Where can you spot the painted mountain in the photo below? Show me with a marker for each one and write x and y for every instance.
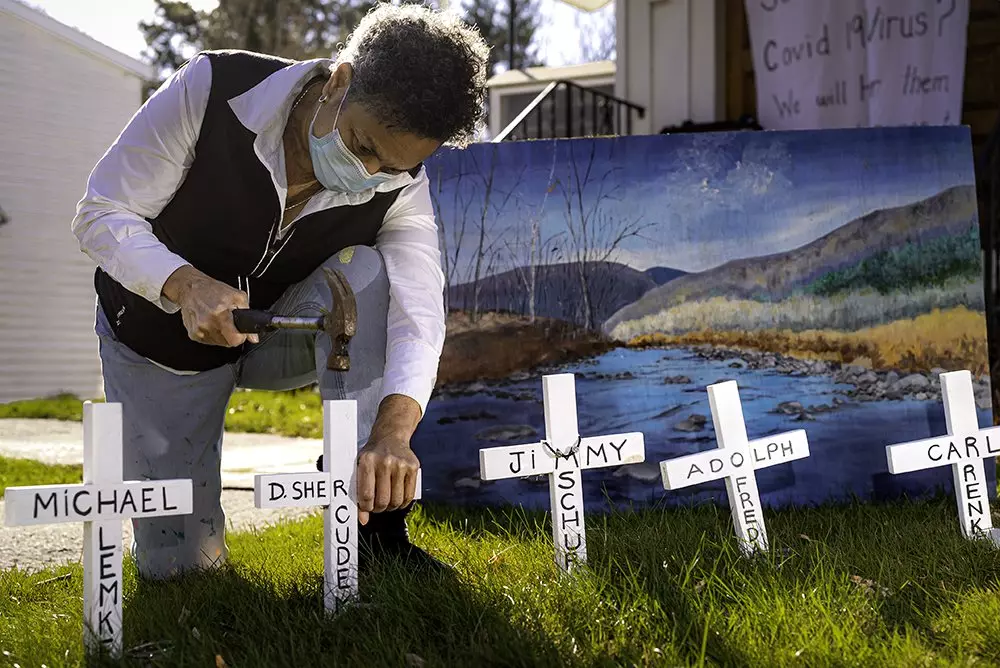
(891, 263)
(558, 292)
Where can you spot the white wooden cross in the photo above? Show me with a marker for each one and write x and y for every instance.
(736, 460)
(561, 456)
(964, 448)
(336, 489)
(101, 503)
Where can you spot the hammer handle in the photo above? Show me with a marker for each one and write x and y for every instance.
(249, 321)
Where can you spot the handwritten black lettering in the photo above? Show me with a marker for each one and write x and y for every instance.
(111, 590)
(343, 578)
(146, 500)
(276, 491)
(566, 477)
(343, 555)
(45, 504)
(863, 29)
(971, 449)
(562, 501)
(101, 501)
(127, 500)
(106, 566)
(618, 448)
(599, 451)
(967, 471)
(515, 466)
(347, 513)
(339, 487)
(104, 627)
(835, 97)
(776, 56)
(76, 503)
(789, 106)
(694, 469)
(914, 83)
(166, 506)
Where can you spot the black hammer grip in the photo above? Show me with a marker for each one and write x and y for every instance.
(248, 321)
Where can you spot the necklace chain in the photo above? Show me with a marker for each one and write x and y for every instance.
(298, 99)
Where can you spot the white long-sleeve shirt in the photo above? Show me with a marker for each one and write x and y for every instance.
(140, 173)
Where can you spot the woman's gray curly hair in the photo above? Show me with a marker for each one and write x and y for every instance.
(420, 71)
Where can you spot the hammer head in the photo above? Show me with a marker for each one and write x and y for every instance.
(341, 323)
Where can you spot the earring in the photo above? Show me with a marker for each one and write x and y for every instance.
(323, 98)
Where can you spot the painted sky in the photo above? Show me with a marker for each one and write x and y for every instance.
(701, 199)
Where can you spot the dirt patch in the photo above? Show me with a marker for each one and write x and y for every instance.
(499, 344)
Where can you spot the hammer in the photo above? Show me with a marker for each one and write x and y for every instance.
(340, 324)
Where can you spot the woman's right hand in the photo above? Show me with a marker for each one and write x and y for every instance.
(207, 307)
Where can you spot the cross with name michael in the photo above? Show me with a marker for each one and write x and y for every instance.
(335, 488)
(561, 456)
(736, 459)
(963, 448)
(101, 503)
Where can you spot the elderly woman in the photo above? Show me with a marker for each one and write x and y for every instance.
(232, 187)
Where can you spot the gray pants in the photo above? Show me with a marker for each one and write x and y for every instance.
(173, 424)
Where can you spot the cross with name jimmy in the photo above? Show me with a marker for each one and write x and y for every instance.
(736, 459)
(963, 448)
(561, 456)
(101, 503)
(336, 489)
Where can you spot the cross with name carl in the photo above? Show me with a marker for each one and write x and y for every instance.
(101, 503)
(963, 448)
(561, 456)
(335, 488)
(736, 460)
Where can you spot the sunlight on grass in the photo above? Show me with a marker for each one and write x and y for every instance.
(22, 472)
(296, 413)
(857, 585)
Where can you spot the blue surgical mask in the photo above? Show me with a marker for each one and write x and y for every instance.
(335, 166)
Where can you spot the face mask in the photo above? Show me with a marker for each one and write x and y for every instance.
(335, 166)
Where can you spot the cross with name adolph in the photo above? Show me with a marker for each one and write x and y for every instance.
(561, 456)
(101, 503)
(963, 448)
(736, 460)
(336, 489)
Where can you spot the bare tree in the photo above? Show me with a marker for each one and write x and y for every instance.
(595, 236)
(527, 272)
(494, 200)
(451, 231)
(597, 33)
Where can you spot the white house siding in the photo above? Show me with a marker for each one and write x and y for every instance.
(61, 106)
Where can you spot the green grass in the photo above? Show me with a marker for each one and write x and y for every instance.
(20, 472)
(297, 413)
(859, 585)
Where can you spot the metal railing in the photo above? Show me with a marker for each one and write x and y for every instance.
(551, 115)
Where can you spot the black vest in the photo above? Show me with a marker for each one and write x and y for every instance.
(224, 220)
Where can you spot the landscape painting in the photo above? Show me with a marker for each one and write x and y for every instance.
(832, 274)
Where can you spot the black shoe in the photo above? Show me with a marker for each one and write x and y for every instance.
(387, 538)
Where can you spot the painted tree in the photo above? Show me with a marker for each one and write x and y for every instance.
(496, 196)
(526, 265)
(590, 188)
(449, 181)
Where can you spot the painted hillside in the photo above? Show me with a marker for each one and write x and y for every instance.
(929, 243)
(558, 292)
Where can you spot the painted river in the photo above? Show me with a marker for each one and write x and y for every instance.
(624, 390)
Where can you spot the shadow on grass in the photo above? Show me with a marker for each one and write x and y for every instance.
(871, 581)
(250, 618)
